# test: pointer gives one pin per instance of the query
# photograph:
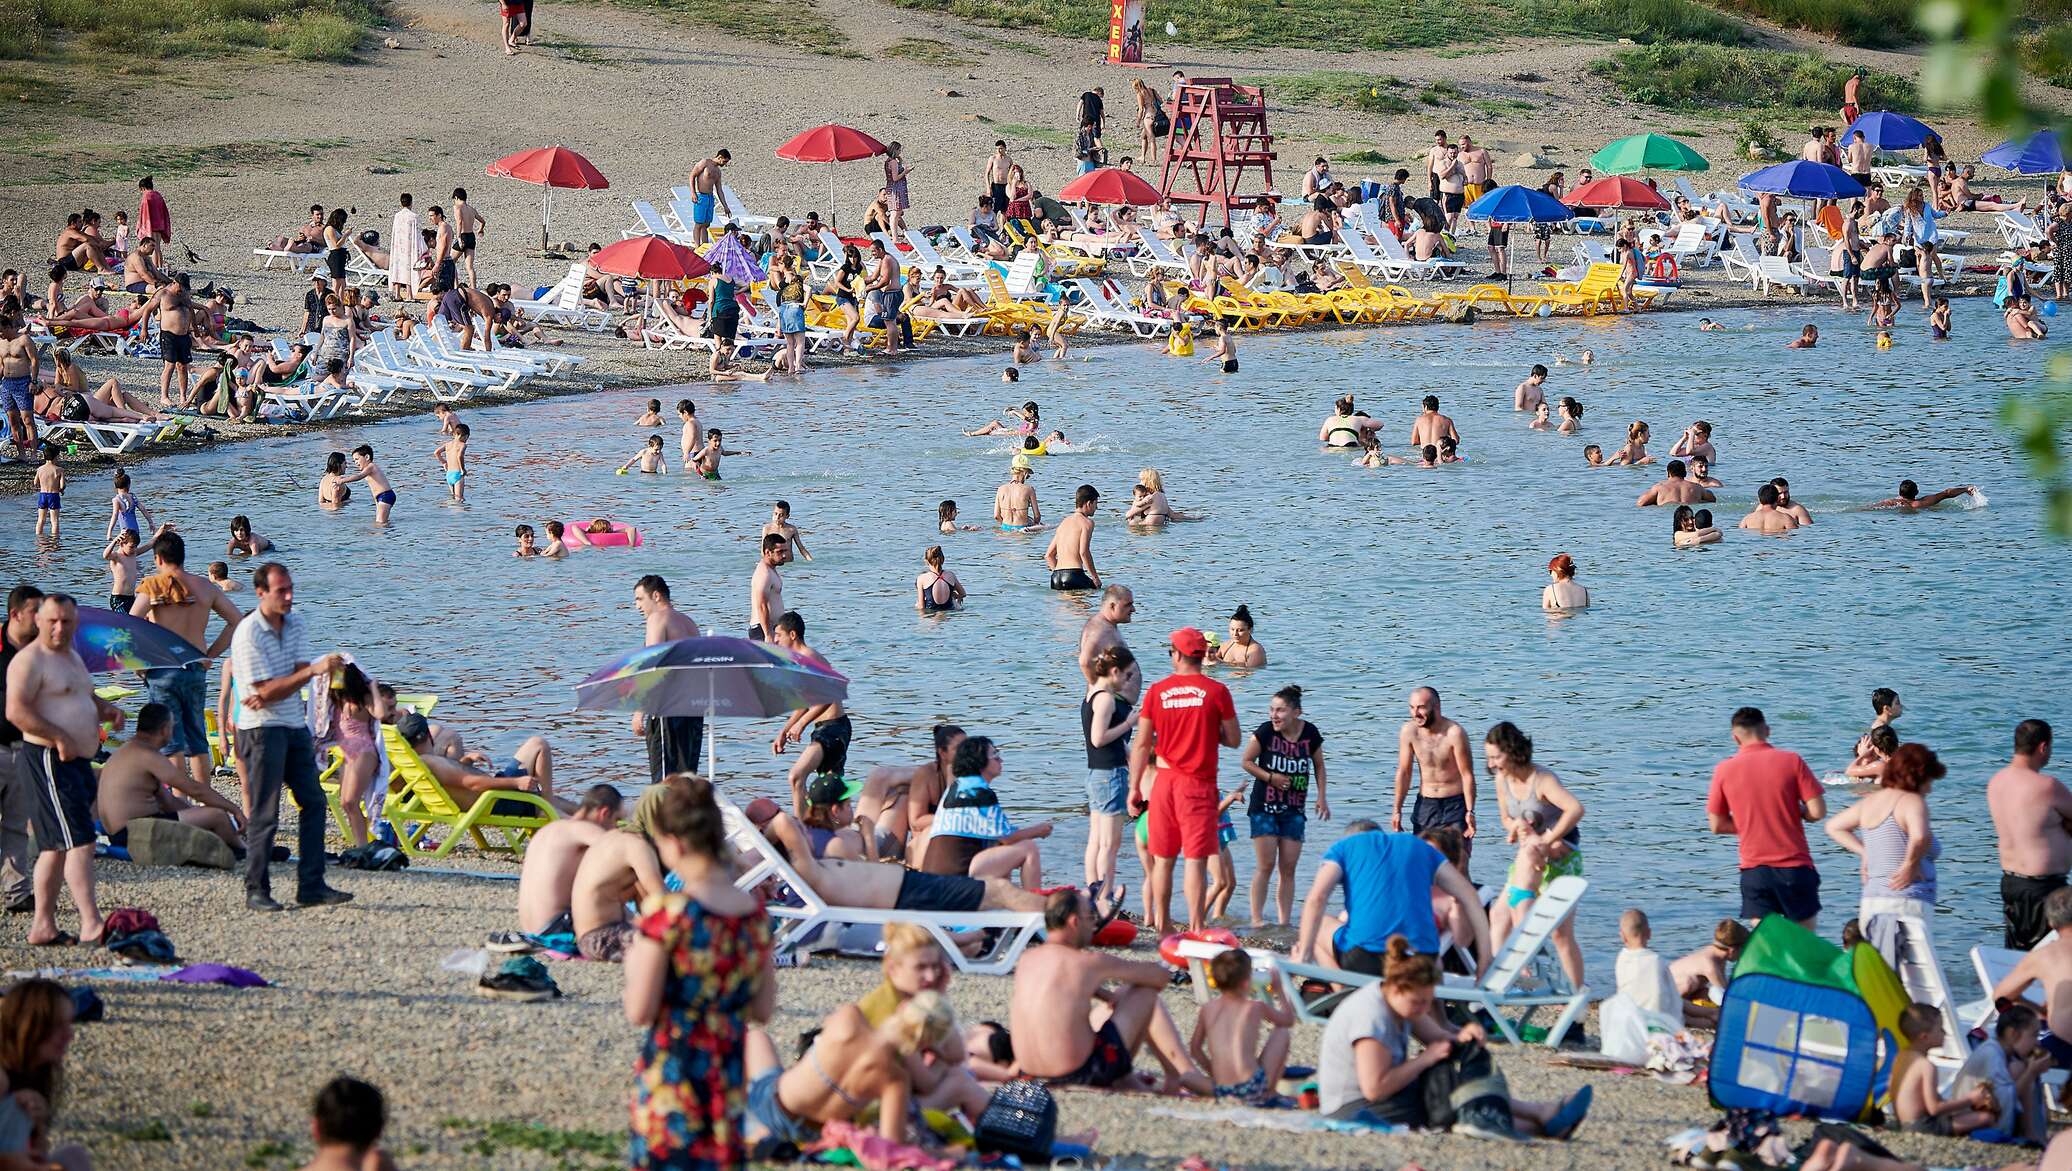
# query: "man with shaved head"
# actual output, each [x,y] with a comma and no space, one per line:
[1445,770]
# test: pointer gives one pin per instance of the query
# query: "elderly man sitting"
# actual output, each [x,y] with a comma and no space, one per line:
[467,779]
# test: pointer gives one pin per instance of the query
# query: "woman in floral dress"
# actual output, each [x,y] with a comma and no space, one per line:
[697,975]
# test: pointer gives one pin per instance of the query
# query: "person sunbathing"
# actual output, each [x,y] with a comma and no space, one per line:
[140,271]
[850,1067]
[888,886]
[108,404]
[546,882]
[529,770]
[947,300]
[1425,244]
[307,238]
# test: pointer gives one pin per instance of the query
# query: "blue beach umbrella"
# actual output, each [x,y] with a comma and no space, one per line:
[1512,204]
[1803,180]
[1889,131]
[2038,154]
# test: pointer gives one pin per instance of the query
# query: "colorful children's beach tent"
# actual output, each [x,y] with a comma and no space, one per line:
[1806,1028]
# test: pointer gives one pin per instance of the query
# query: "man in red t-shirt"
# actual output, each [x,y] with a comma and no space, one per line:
[1184,716]
[1766,795]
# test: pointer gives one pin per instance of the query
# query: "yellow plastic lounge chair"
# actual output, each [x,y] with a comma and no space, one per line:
[328,781]
[1007,307]
[419,802]
[1488,298]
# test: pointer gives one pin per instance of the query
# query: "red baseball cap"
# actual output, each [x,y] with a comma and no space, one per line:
[1190,642]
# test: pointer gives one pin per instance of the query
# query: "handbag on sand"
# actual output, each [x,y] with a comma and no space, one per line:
[1020,1120]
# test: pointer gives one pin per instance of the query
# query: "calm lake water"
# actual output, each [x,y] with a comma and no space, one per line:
[1365,583]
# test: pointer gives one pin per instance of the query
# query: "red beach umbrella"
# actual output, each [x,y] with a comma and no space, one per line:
[549,167]
[1617,191]
[650,258]
[830,144]
[1110,185]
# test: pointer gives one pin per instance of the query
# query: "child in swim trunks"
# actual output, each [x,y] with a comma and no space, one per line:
[649,457]
[121,556]
[1226,1040]
[555,549]
[707,464]
[384,492]
[453,455]
[652,417]
[50,491]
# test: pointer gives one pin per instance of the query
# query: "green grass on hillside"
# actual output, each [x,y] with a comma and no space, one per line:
[1689,76]
[1329,87]
[2048,55]
[308,30]
[769,21]
[1358,24]
[926,51]
[1871,24]
[37,159]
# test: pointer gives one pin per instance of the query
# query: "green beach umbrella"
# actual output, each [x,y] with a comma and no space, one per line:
[1647,152]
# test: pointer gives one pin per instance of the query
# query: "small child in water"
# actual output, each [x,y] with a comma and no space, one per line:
[1010,375]
[946,518]
[1370,453]
[1939,320]
[50,491]
[780,524]
[1807,339]
[1539,417]
[447,418]
[1026,418]
[526,546]
[1226,1042]
[123,509]
[707,463]
[1025,347]
[219,576]
[652,417]
[1708,325]
[1449,450]
[555,548]
[453,456]
[384,493]
[121,556]
[649,457]
[1428,456]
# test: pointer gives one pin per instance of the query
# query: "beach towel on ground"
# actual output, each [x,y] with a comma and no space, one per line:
[217,974]
[875,1152]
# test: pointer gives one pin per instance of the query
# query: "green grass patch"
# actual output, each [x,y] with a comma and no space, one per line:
[758,20]
[2048,55]
[580,52]
[998,42]
[926,51]
[533,1136]
[30,161]
[1049,135]
[1694,76]
[1367,93]
[1501,107]
[1646,21]
[1369,158]
[1439,93]
[150,1131]
[1870,24]
[307,30]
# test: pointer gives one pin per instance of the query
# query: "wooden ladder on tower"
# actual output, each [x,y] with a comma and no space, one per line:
[1218,139]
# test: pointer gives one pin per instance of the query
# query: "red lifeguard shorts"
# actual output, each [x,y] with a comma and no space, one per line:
[1183,816]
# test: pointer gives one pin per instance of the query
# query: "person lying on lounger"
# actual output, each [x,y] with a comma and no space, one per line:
[530,769]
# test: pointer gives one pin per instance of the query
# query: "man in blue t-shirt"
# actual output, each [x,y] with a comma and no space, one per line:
[1389,879]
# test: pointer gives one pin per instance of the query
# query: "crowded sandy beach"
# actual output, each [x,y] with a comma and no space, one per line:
[1620,730]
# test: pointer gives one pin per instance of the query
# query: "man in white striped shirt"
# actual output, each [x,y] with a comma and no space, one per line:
[269,655]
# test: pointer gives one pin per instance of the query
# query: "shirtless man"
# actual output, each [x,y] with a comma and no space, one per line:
[134,782]
[50,697]
[1785,504]
[826,751]
[1014,503]
[1476,167]
[2050,965]
[530,770]
[618,868]
[1118,606]
[2032,819]
[999,169]
[1911,500]
[1445,770]
[766,588]
[692,440]
[179,601]
[469,224]
[547,881]
[672,741]
[1431,426]
[1767,517]
[1439,160]
[140,271]
[175,311]
[1673,488]
[1070,556]
[705,181]
[1696,440]
[20,364]
[1059,1041]
[1531,392]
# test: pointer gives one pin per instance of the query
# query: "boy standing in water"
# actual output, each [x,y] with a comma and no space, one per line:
[707,463]
[50,491]
[453,455]
[649,457]
[121,556]
[693,431]
[780,525]
[384,493]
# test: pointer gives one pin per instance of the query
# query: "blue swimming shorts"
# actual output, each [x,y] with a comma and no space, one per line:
[388,497]
[452,477]
[49,500]
[701,209]
[16,395]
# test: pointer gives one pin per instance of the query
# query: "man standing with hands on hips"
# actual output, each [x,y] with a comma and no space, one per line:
[1184,718]
[269,654]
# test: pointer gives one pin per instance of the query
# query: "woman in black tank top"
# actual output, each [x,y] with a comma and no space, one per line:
[1106,718]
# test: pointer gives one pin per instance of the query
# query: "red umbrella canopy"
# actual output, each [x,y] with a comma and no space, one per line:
[1110,185]
[832,143]
[650,258]
[550,166]
[1617,191]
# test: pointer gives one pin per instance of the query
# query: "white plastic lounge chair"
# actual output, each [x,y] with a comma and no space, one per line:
[105,438]
[2017,229]
[1992,965]
[1101,307]
[815,912]
[361,271]
[1527,943]
[1898,174]
[427,349]
[563,304]
[738,212]
[958,271]
[649,222]
[1361,253]
[1155,257]
[531,361]
[1922,976]
[293,261]
[310,401]
[384,354]
[1693,247]
[1776,272]
[1392,250]
[1739,258]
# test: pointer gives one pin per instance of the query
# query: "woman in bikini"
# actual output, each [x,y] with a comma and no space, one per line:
[1635,453]
[850,1066]
[1027,419]
[1240,650]
[938,590]
[330,493]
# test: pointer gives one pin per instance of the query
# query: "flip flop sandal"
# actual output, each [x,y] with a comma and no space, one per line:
[1122,893]
[61,939]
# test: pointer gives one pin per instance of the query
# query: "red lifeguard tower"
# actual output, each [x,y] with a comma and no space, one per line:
[1218,136]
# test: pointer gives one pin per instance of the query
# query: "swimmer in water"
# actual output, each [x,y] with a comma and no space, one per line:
[1563,593]
[1571,416]
[1449,450]
[946,519]
[1530,394]
[652,417]
[1593,455]
[1054,332]
[1686,531]
[649,457]
[1346,427]
[1010,375]
[1807,339]
[1911,500]
[1696,440]
[1766,517]
[1587,358]
[1025,348]
[1635,453]
[1014,504]
[1224,352]
[555,549]
[1884,339]
[1787,505]
[780,524]
[1701,473]
[1371,455]
[527,546]
[384,494]
[707,463]
[1939,320]
[1539,417]
[1708,325]
[447,417]
[1055,441]
[1428,456]
[330,493]
[1026,419]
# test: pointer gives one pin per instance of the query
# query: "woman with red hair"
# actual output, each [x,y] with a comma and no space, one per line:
[1889,831]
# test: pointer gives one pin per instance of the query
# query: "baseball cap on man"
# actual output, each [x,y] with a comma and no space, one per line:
[1190,642]
[827,789]
[412,726]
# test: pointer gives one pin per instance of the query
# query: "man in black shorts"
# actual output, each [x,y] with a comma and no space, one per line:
[50,698]
[1438,747]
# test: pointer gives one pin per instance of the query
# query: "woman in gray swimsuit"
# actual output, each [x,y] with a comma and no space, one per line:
[1541,816]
